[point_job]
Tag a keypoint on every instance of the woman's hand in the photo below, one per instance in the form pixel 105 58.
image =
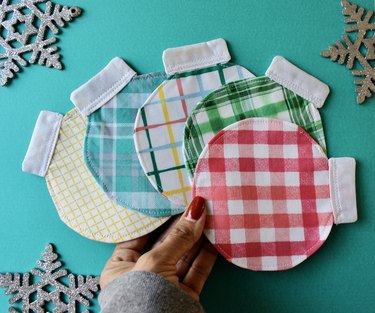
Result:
pixel 182 256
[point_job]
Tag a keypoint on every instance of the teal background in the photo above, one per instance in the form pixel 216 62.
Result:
pixel 338 278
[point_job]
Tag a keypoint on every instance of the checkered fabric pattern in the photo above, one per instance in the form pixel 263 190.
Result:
pixel 160 122
pixel 255 97
pixel 110 155
pixel 266 182
pixel 81 204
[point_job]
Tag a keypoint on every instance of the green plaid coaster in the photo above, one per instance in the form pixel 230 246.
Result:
pixel 255 97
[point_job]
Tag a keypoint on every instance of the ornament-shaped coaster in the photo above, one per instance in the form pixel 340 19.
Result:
pixel 48 288
pixel 55 152
pixel 16 42
pixel 110 100
pixel 351 52
pixel 286 93
pixel 194 71
pixel 272 194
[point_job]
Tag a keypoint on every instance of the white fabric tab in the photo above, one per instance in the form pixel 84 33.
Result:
pixel 342 188
pixel 42 144
pixel 197 56
pixel 102 87
pixel 298 81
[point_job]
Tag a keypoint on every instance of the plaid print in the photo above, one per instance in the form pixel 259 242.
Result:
pixel 255 97
pixel 110 155
pixel 266 182
pixel 159 126
pixel 79 201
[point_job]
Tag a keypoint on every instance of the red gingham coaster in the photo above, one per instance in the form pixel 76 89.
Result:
pixel 266 182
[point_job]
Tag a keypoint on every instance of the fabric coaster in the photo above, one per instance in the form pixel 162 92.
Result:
pixel 194 72
pixel 109 151
pixel 267 185
pixel 80 202
pixel 255 97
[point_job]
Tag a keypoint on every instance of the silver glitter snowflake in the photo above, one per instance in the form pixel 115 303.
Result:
pixel 350 51
pixel 24 26
pixel 43 283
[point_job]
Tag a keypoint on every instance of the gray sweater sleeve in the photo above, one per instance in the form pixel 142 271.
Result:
pixel 145 292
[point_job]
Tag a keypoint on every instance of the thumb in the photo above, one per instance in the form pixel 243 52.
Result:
pixel 185 233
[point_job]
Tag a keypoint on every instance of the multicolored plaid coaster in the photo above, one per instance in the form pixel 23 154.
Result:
pixel 195 71
pixel 55 152
pixel 109 151
pixel 255 97
pixel 272 194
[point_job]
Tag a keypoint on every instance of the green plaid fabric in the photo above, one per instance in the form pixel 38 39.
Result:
pixel 235 101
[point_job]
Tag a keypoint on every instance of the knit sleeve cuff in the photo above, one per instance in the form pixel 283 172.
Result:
pixel 146 292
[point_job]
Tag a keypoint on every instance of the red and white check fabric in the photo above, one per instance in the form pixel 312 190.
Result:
pixel 266 182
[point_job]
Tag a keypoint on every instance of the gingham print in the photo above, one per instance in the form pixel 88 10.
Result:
pixel 266 182
pixel 159 126
pixel 235 101
pixel 110 155
pixel 81 204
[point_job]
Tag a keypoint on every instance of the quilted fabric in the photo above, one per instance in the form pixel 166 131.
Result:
pixel 110 154
pixel 267 186
pixel 80 202
pixel 235 101
pixel 159 126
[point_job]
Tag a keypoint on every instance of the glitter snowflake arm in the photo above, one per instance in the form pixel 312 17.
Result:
pixel 48 274
pixel 338 52
pixel 355 15
pixel 60 15
pixel 49 265
pixel 349 51
pixel 46 54
pixel 16 284
pixel 83 289
pixel 11 57
pixel 366 85
pixel 43 51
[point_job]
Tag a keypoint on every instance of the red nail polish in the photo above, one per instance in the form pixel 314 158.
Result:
pixel 195 209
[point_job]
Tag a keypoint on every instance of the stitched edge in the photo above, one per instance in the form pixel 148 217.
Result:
pixel 147 103
pixel 89 163
pixel 87 231
pixel 138 117
pixel 197 64
pixel 296 88
pixel 109 93
pixel 200 108
pixel 51 144
pixel 335 194
pixel 327 225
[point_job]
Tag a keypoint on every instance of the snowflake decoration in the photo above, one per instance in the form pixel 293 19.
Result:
pixel 348 52
pixel 80 288
pixel 15 42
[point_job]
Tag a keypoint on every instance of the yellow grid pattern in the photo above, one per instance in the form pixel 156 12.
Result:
pixel 80 202
pixel 184 189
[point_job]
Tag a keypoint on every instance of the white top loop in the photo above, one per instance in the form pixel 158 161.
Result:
pixel 102 87
pixel 42 143
pixel 197 56
pixel 342 189
pixel 298 81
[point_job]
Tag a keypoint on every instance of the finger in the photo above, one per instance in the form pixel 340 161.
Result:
pixel 184 234
pixel 129 251
pixel 165 233
pixel 185 262
pixel 200 269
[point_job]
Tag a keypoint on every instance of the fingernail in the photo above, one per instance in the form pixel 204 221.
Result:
pixel 195 209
